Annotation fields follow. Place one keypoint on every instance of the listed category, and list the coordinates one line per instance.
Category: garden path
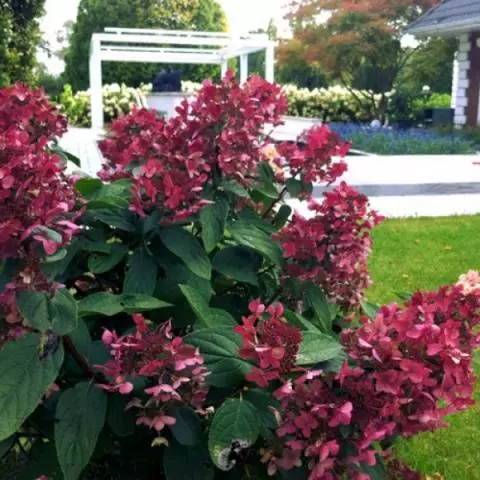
(398, 186)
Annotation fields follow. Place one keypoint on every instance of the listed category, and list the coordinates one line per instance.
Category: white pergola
(171, 46)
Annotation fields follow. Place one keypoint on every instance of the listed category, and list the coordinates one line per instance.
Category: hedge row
(334, 104)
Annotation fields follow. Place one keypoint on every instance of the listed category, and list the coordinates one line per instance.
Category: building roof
(450, 17)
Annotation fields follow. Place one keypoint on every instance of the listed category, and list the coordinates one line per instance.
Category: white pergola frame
(115, 45)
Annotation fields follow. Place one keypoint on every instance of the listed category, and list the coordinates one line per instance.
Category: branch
(272, 205)
(81, 361)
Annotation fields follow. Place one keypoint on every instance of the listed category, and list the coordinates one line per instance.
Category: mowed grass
(426, 253)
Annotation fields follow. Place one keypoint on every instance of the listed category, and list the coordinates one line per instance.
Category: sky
(242, 15)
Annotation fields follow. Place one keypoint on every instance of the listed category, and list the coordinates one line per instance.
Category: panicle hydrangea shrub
(331, 248)
(190, 227)
(36, 200)
(176, 368)
(407, 369)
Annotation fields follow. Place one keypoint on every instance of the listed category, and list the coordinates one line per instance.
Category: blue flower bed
(387, 141)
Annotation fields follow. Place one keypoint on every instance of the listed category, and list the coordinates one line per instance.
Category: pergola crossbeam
(171, 46)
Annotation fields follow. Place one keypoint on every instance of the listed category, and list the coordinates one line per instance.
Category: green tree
(19, 38)
(94, 15)
(359, 42)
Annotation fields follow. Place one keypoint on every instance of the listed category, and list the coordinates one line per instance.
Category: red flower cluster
(408, 369)
(269, 342)
(331, 249)
(313, 156)
(174, 371)
(36, 200)
(219, 133)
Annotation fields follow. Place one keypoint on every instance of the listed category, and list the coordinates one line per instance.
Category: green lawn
(424, 254)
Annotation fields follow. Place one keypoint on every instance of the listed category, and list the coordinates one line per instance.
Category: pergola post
(223, 68)
(243, 68)
(96, 98)
(270, 62)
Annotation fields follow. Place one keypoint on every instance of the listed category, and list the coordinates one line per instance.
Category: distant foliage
(19, 39)
(95, 15)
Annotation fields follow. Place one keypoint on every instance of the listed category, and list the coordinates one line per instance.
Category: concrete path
(398, 186)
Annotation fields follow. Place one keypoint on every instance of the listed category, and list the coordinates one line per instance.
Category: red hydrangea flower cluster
(313, 156)
(173, 369)
(218, 133)
(408, 368)
(331, 248)
(36, 201)
(269, 342)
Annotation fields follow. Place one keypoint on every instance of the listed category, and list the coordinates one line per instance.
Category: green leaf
(88, 187)
(300, 322)
(267, 184)
(235, 423)
(185, 246)
(101, 263)
(213, 218)
(253, 237)
(321, 308)
(80, 418)
(58, 313)
(219, 347)
(34, 309)
(63, 312)
(208, 317)
(282, 216)
(187, 429)
(9, 268)
(317, 347)
(119, 419)
(405, 296)
(234, 187)
(187, 463)
(295, 188)
(141, 276)
(264, 403)
(238, 263)
(114, 217)
(24, 377)
(66, 156)
(370, 309)
(108, 304)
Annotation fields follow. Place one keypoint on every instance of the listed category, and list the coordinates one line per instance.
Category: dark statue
(167, 82)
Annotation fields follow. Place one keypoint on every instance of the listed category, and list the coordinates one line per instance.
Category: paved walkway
(398, 186)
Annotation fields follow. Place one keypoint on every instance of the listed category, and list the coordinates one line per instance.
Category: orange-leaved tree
(358, 43)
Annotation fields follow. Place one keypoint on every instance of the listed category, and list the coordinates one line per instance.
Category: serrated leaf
(114, 217)
(235, 423)
(219, 347)
(187, 463)
(186, 247)
(101, 263)
(212, 218)
(370, 309)
(207, 317)
(187, 429)
(317, 347)
(238, 263)
(108, 304)
(234, 187)
(264, 402)
(141, 276)
(24, 377)
(253, 237)
(300, 322)
(63, 312)
(282, 216)
(43, 313)
(296, 188)
(80, 418)
(320, 307)
(88, 187)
